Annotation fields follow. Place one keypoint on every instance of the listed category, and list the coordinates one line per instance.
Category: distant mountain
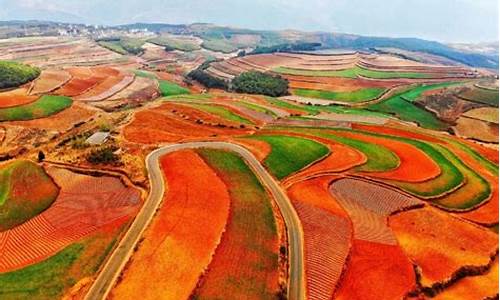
(48, 15)
(232, 37)
(229, 39)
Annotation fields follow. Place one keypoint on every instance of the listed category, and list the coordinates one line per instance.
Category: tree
(254, 82)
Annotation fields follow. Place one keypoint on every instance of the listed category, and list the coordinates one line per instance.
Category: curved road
(116, 262)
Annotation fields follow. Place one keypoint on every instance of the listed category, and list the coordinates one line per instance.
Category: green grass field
(14, 74)
(361, 95)
(475, 191)
(43, 107)
(145, 74)
(53, 277)
(490, 166)
(449, 178)
(283, 104)
(25, 191)
(379, 158)
(407, 111)
(168, 88)
(219, 45)
(290, 154)
(124, 45)
(251, 234)
(221, 112)
(352, 73)
(256, 108)
(175, 43)
(113, 46)
(415, 93)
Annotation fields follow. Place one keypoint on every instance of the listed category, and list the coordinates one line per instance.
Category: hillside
(228, 39)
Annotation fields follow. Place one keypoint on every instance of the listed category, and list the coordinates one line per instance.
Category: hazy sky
(442, 20)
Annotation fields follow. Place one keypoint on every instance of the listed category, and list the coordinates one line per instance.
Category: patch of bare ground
(453, 247)
(446, 105)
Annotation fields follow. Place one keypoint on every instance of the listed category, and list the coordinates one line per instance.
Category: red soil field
(315, 192)
(376, 271)
(246, 263)
(474, 287)
(77, 86)
(84, 205)
(450, 243)
(415, 165)
(258, 148)
(161, 124)
(106, 88)
(49, 81)
(327, 240)
(327, 235)
(16, 97)
(337, 84)
(182, 238)
(82, 80)
(368, 205)
(62, 121)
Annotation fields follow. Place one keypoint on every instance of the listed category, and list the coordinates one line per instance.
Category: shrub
(254, 82)
(14, 74)
(103, 156)
(207, 80)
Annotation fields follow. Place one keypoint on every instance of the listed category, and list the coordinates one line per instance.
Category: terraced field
(359, 189)
(352, 73)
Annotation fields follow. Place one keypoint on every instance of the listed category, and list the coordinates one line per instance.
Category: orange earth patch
(327, 235)
(106, 88)
(368, 206)
(415, 165)
(376, 271)
(338, 84)
(474, 287)
(16, 97)
(450, 243)
(162, 124)
(49, 81)
(182, 238)
(258, 148)
(84, 205)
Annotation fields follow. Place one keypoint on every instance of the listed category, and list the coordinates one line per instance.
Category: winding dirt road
(116, 262)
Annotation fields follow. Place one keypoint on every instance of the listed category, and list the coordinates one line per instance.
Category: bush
(13, 74)
(254, 82)
(207, 80)
(287, 48)
(103, 156)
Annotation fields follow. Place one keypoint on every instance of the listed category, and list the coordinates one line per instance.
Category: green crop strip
(290, 154)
